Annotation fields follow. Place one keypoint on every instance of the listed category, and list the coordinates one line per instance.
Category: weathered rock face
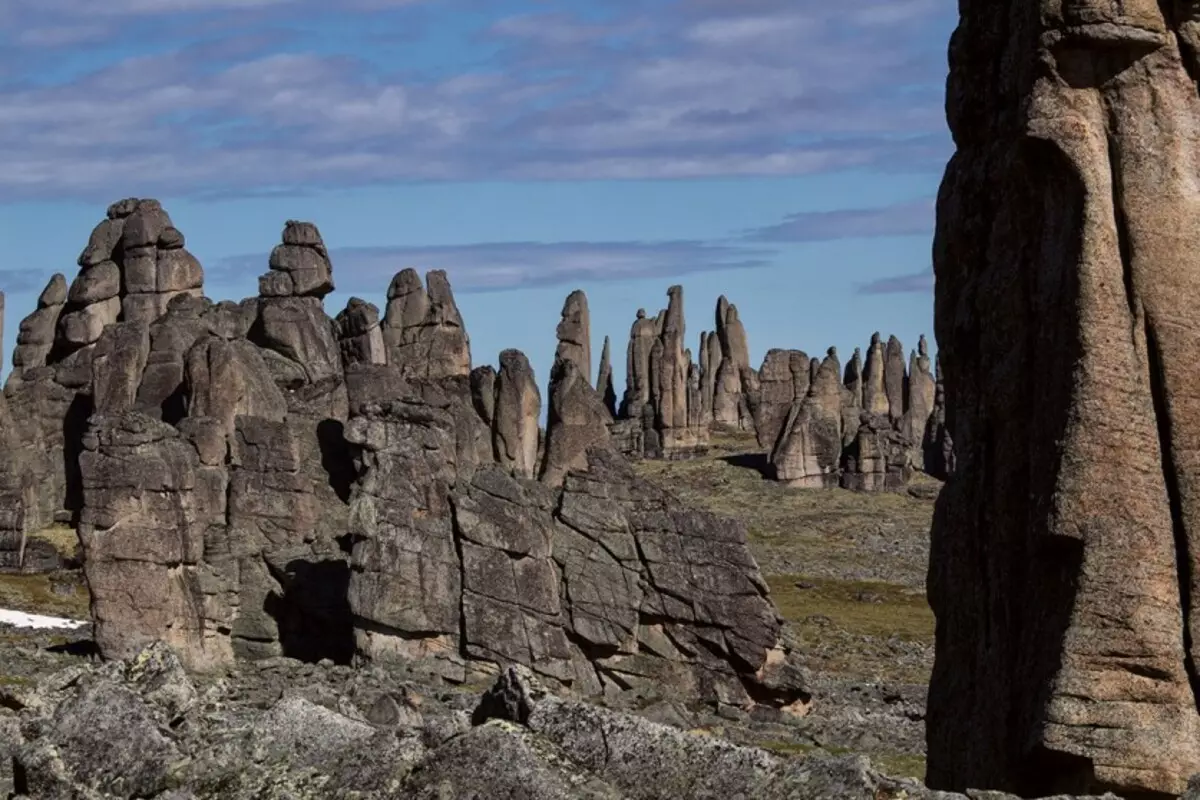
(577, 421)
(730, 405)
(637, 366)
(662, 414)
(938, 447)
(878, 458)
(783, 381)
(1064, 545)
(134, 264)
(853, 379)
(574, 334)
(359, 334)
(299, 264)
(808, 452)
(517, 408)
(895, 379)
(595, 584)
(919, 405)
(422, 328)
(874, 391)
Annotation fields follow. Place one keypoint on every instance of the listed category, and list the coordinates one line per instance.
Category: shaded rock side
(604, 381)
(1064, 544)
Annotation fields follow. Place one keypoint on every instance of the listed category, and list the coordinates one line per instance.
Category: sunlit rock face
(1065, 544)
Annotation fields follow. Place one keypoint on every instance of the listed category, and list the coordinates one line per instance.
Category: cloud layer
(227, 96)
(508, 265)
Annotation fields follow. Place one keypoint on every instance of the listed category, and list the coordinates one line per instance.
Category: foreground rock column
(1064, 548)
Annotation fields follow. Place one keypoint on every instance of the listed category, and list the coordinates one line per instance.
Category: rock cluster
(144, 728)
(256, 479)
(661, 412)
(868, 428)
(1064, 547)
(134, 265)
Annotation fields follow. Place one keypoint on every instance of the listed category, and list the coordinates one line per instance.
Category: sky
(784, 153)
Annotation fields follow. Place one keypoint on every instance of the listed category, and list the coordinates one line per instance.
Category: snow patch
(20, 619)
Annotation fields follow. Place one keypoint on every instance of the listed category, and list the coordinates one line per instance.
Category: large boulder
(1064, 545)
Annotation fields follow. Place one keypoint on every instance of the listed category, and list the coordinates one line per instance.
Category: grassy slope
(846, 569)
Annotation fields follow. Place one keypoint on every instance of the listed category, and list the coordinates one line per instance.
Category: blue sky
(784, 153)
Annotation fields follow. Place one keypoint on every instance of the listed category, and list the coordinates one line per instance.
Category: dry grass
(35, 594)
(63, 537)
(830, 532)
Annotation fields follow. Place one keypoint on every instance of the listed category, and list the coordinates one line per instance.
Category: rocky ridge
(256, 479)
(143, 727)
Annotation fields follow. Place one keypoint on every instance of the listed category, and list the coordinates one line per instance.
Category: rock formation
(874, 391)
(853, 379)
(515, 414)
(574, 334)
(360, 335)
(808, 452)
(1064, 547)
(577, 422)
(938, 446)
(661, 414)
(422, 329)
(895, 378)
(730, 405)
(254, 481)
(604, 381)
(920, 402)
(783, 381)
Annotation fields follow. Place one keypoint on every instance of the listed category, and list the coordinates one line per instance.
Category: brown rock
(95, 284)
(875, 398)
(809, 449)
(516, 411)
(576, 422)
(637, 366)
(895, 380)
(117, 367)
(483, 392)
(303, 257)
(574, 334)
(922, 391)
(228, 379)
(359, 333)
(1064, 545)
(35, 337)
(784, 380)
(423, 330)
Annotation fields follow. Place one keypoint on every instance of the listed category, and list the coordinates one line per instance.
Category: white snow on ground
(19, 619)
